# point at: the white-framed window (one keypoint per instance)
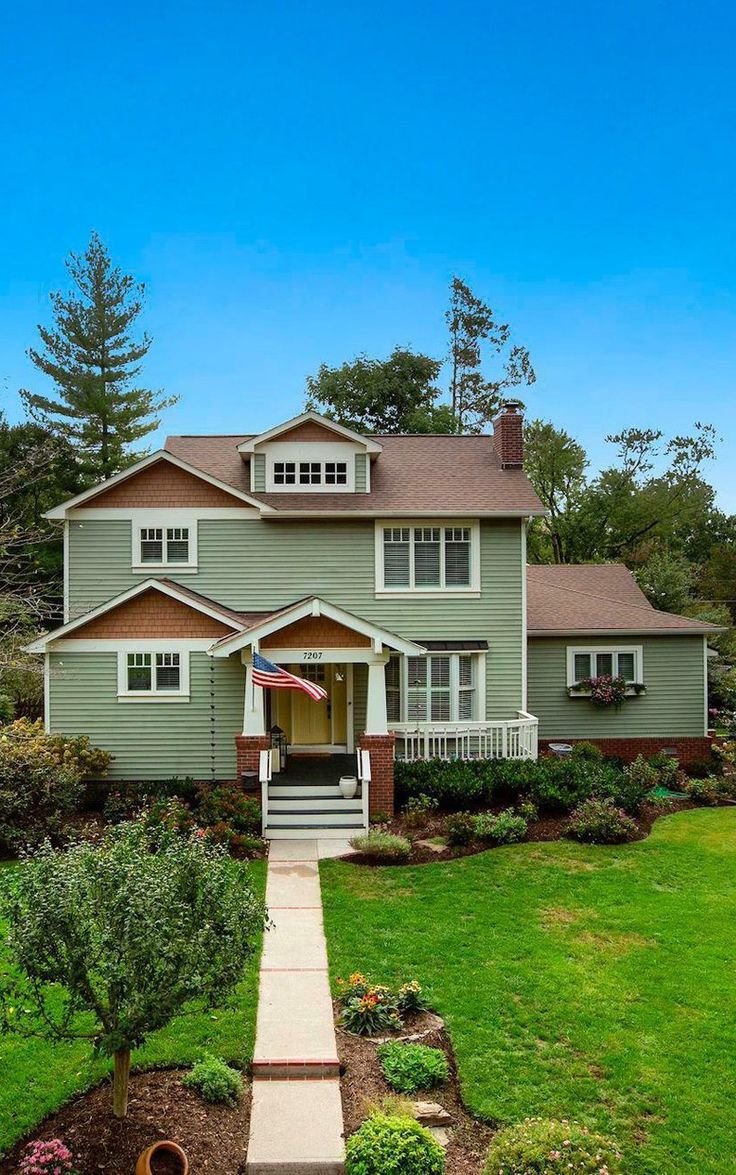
(427, 557)
(300, 467)
(153, 675)
(441, 687)
(165, 546)
(587, 661)
(310, 473)
(284, 473)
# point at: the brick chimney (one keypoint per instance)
(508, 435)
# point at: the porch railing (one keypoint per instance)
(516, 738)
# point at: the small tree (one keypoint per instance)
(94, 361)
(109, 942)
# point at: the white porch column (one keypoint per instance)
(376, 721)
(254, 721)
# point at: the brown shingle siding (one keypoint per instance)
(162, 485)
(150, 615)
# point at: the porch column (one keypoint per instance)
(254, 721)
(376, 721)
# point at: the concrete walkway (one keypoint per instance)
(296, 1119)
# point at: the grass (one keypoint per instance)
(588, 982)
(36, 1077)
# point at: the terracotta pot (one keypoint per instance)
(143, 1166)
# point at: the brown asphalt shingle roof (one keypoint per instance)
(413, 475)
(596, 598)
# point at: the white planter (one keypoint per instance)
(348, 786)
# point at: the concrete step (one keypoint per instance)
(296, 1126)
(307, 832)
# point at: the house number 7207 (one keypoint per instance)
(312, 656)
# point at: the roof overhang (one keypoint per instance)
(60, 512)
(614, 632)
(340, 430)
(397, 512)
(166, 588)
(314, 606)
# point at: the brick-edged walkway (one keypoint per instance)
(296, 1120)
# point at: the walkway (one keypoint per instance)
(296, 1119)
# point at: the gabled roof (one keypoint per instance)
(597, 599)
(426, 475)
(313, 606)
(250, 444)
(167, 587)
(195, 470)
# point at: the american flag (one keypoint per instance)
(270, 676)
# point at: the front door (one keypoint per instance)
(319, 724)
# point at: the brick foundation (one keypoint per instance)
(381, 750)
(688, 749)
(247, 750)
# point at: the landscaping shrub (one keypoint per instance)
(600, 822)
(37, 794)
(411, 998)
(505, 829)
(169, 815)
(667, 768)
(7, 709)
(411, 1067)
(715, 789)
(587, 751)
(418, 808)
(460, 830)
(71, 751)
(214, 1081)
(47, 1157)
(383, 846)
(528, 811)
(227, 803)
(541, 1146)
(393, 1145)
(630, 787)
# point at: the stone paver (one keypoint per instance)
(296, 1126)
(296, 1119)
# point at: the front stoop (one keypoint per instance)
(296, 1120)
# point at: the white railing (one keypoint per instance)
(516, 738)
(364, 775)
(264, 776)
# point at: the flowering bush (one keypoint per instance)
(600, 822)
(74, 752)
(505, 829)
(411, 998)
(604, 690)
(388, 1144)
(47, 1157)
(460, 829)
(418, 808)
(227, 803)
(542, 1146)
(36, 793)
(369, 1014)
(713, 790)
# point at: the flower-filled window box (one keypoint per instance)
(605, 691)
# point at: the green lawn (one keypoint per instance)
(594, 983)
(37, 1077)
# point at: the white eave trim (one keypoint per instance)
(398, 512)
(250, 445)
(316, 607)
(616, 632)
(60, 512)
(41, 645)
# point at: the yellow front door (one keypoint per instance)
(319, 723)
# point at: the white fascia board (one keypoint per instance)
(250, 445)
(41, 645)
(394, 513)
(227, 645)
(642, 633)
(60, 512)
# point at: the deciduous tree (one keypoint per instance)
(394, 395)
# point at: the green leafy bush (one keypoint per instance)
(74, 752)
(214, 1081)
(504, 829)
(227, 803)
(37, 793)
(715, 789)
(460, 830)
(393, 1145)
(411, 998)
(541, 1146)
(528, 811)
(600, 822)
(418, 808)
(667, 768)
(7, 708)
(411, 1067)
(382, 846)
(587, 751)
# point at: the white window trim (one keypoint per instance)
(464, 591)
(585, 650)
(163, 520)
(312, 452)
(479, 689)
(152, 695)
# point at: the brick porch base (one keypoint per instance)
(688, 749)
(247, 750)
(381, 749)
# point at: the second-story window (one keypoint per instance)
(164, 544)
(284, 473)
(310, 473)
(421, 557)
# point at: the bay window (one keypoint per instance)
(436, 688)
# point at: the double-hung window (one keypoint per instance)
(149, 674)
(425, 558)
(586, 662)
(165, 545)
(437, 688)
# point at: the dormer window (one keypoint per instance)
(310, 473)
(284, 473)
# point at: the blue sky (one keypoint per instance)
(298, 183)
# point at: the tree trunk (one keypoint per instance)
(121, 1073)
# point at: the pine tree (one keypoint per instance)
(94, 361)
(475, 399)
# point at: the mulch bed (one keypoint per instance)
(215, 1138)
(547, 828)
(363, 1085)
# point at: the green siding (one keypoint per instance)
(672, 706)
(151, 740)
(259, 473)
(361, 476)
